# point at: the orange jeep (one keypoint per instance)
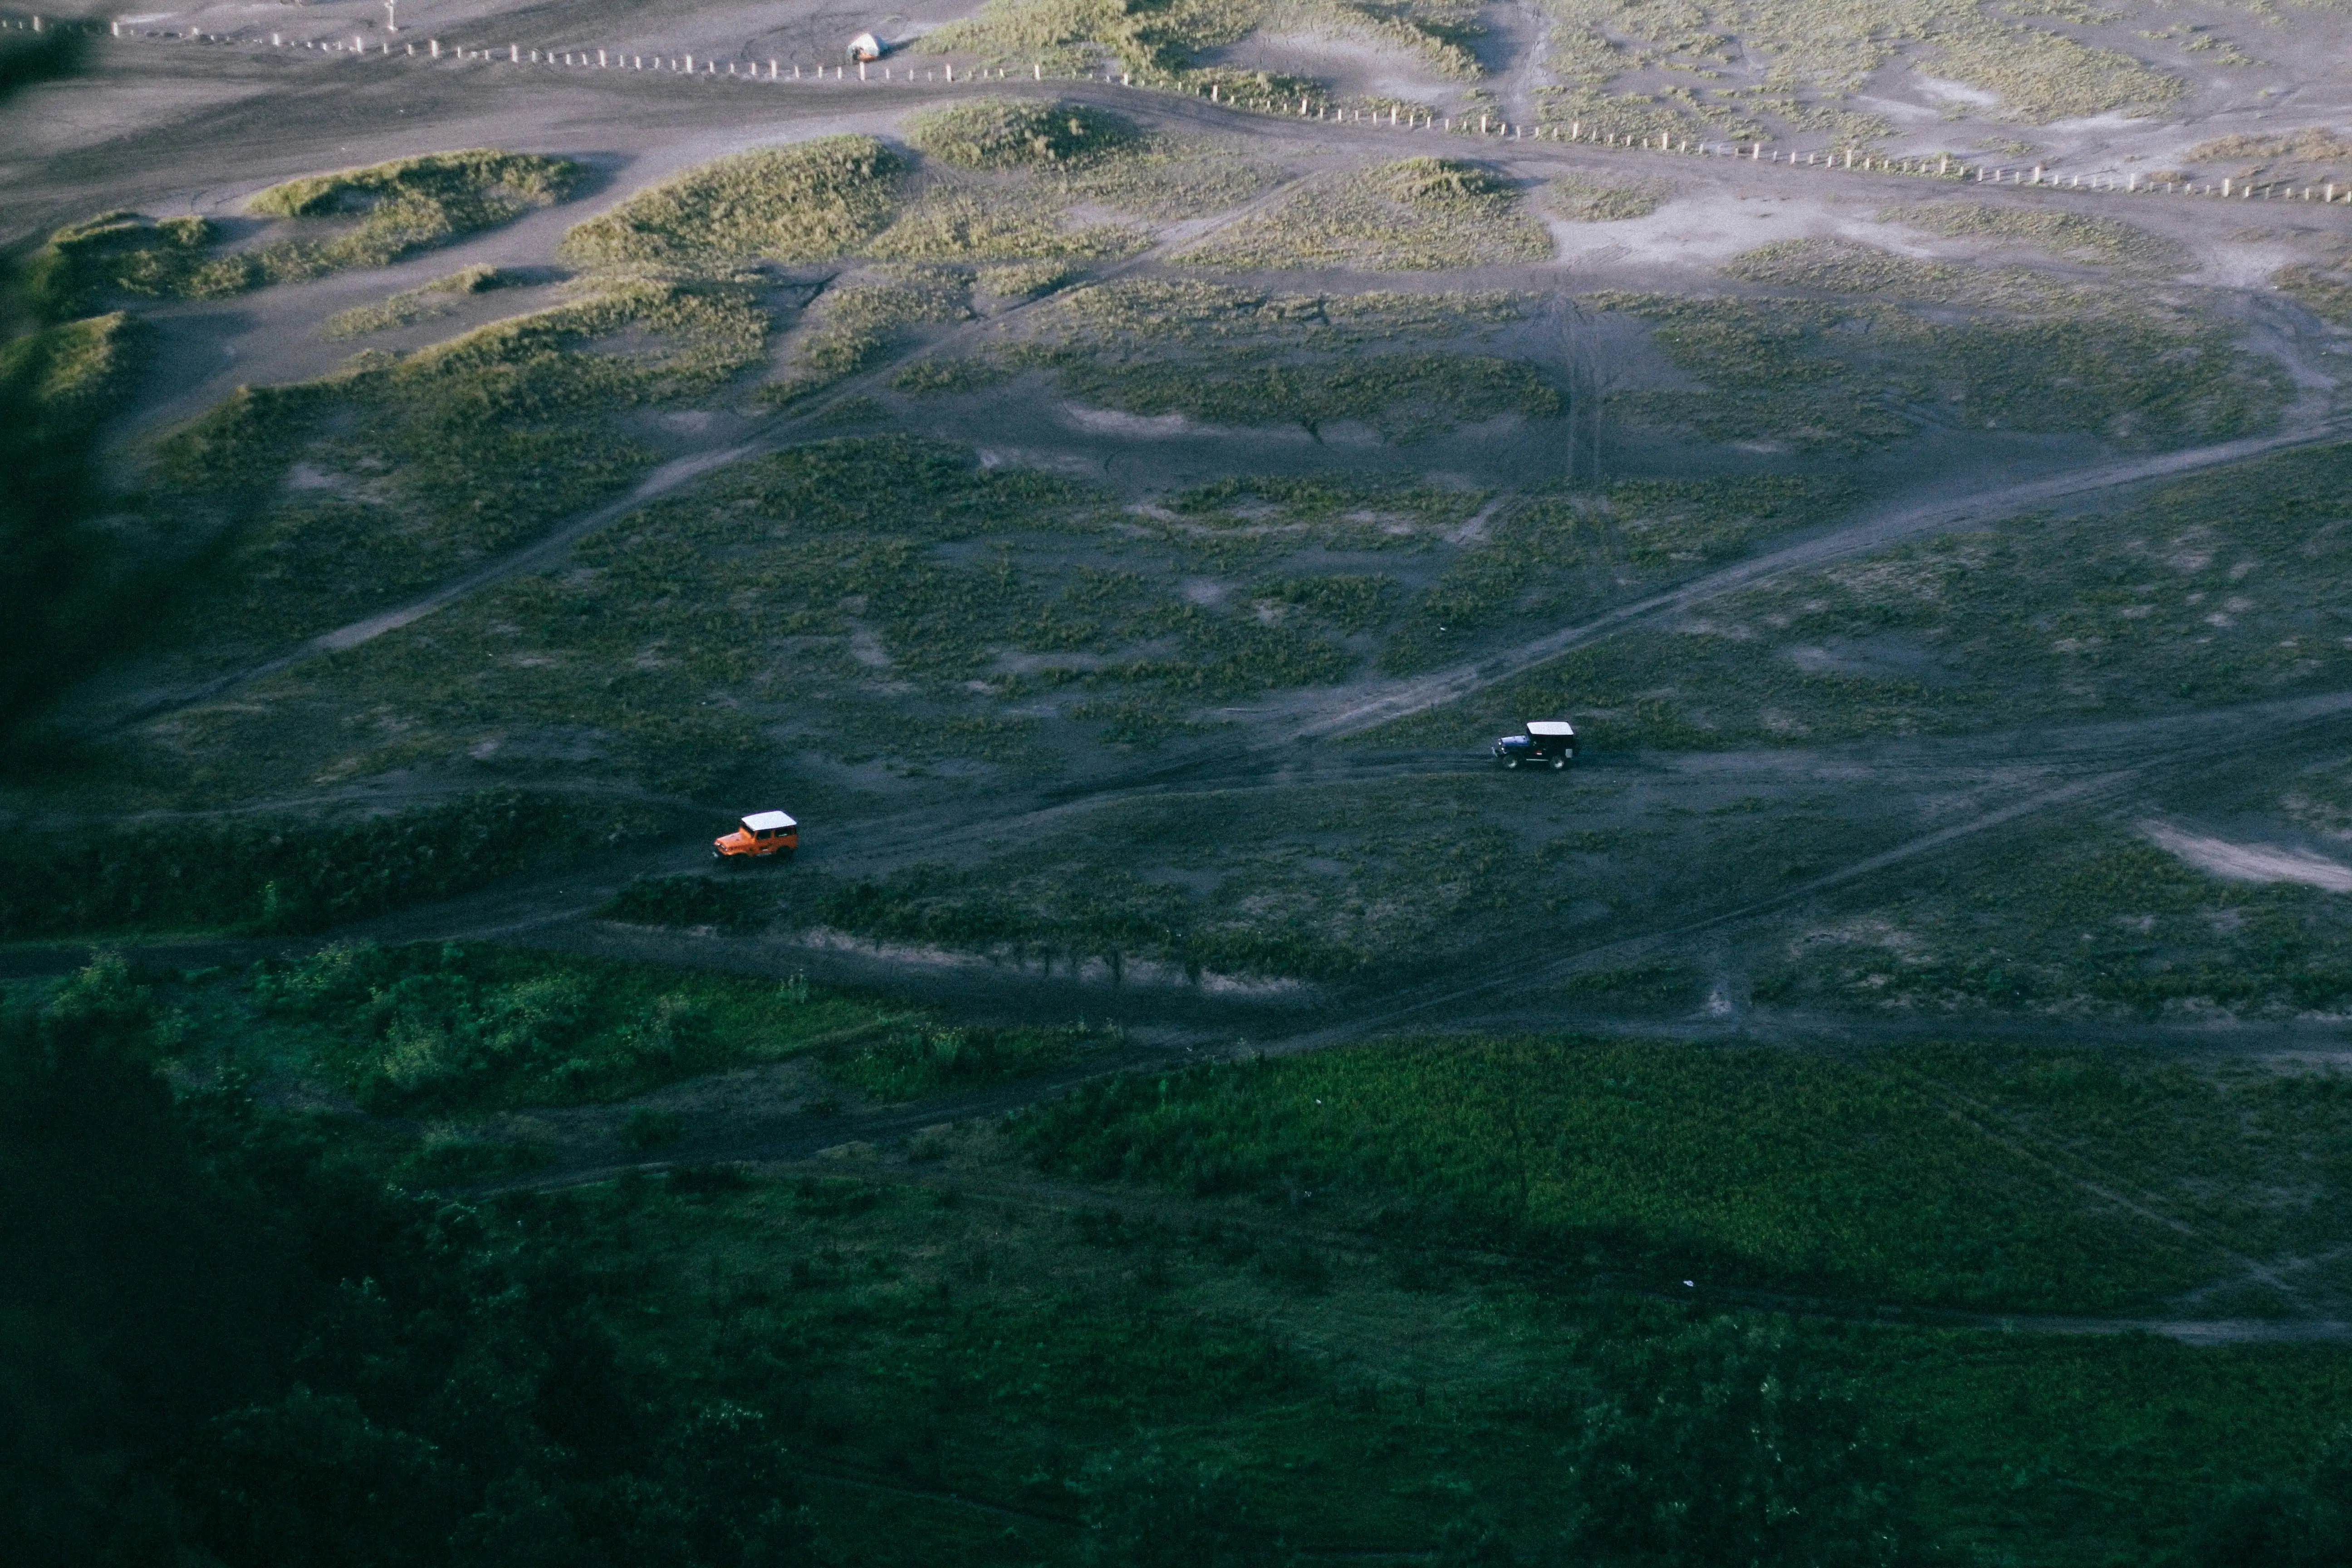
(763, 834)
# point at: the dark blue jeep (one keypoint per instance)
(1548, 743)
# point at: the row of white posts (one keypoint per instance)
(1394, 118)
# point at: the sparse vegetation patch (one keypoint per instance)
(1582, 200)
(2069, 236)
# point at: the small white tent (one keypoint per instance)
(864, 46)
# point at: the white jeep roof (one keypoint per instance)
(768, 821)
(1550, 727)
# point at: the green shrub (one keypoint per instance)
(808, 202)
(1018, 133)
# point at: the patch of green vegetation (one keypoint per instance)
(1417, 214)
(278, 873)
(1067, 35)
(811, 201)
(1801, 68)
(469, 1029)
(1438, 33)
(414, 204)
(954, 222)
(2082, 918)
(424, 301)
(385, 213)
(2069, 236)
(1405, 396)
(1112, 346)
(930, 1058)
(854, 326)
(1190, 313)
(1738, 1166)
(121, 252)
(1545, 555)
(1583, 200)
(1168, 179)
(2043, 77)
(950, 375)
(1822, 374)
(1843, 267)
(661, 656)
(399, 471)
(2311, 155)
(2323, 287)
(1019, 133)
(2218, 589)
(1341, 513)
(1352, 602)
(1404, 1378)
(68, 378)
(1023, 279)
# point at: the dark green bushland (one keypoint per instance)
(283, 873)
(229, 1346)
(1722, 1164)
(70, 585)
(466, 1028)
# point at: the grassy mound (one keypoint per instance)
(1013, 133)
(124, 253)
(1434, 183)
(394, 210)
(1418, 215)
(440, 193)
(803, 203)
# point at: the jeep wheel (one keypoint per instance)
(1510, 761)
(1558, 763)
